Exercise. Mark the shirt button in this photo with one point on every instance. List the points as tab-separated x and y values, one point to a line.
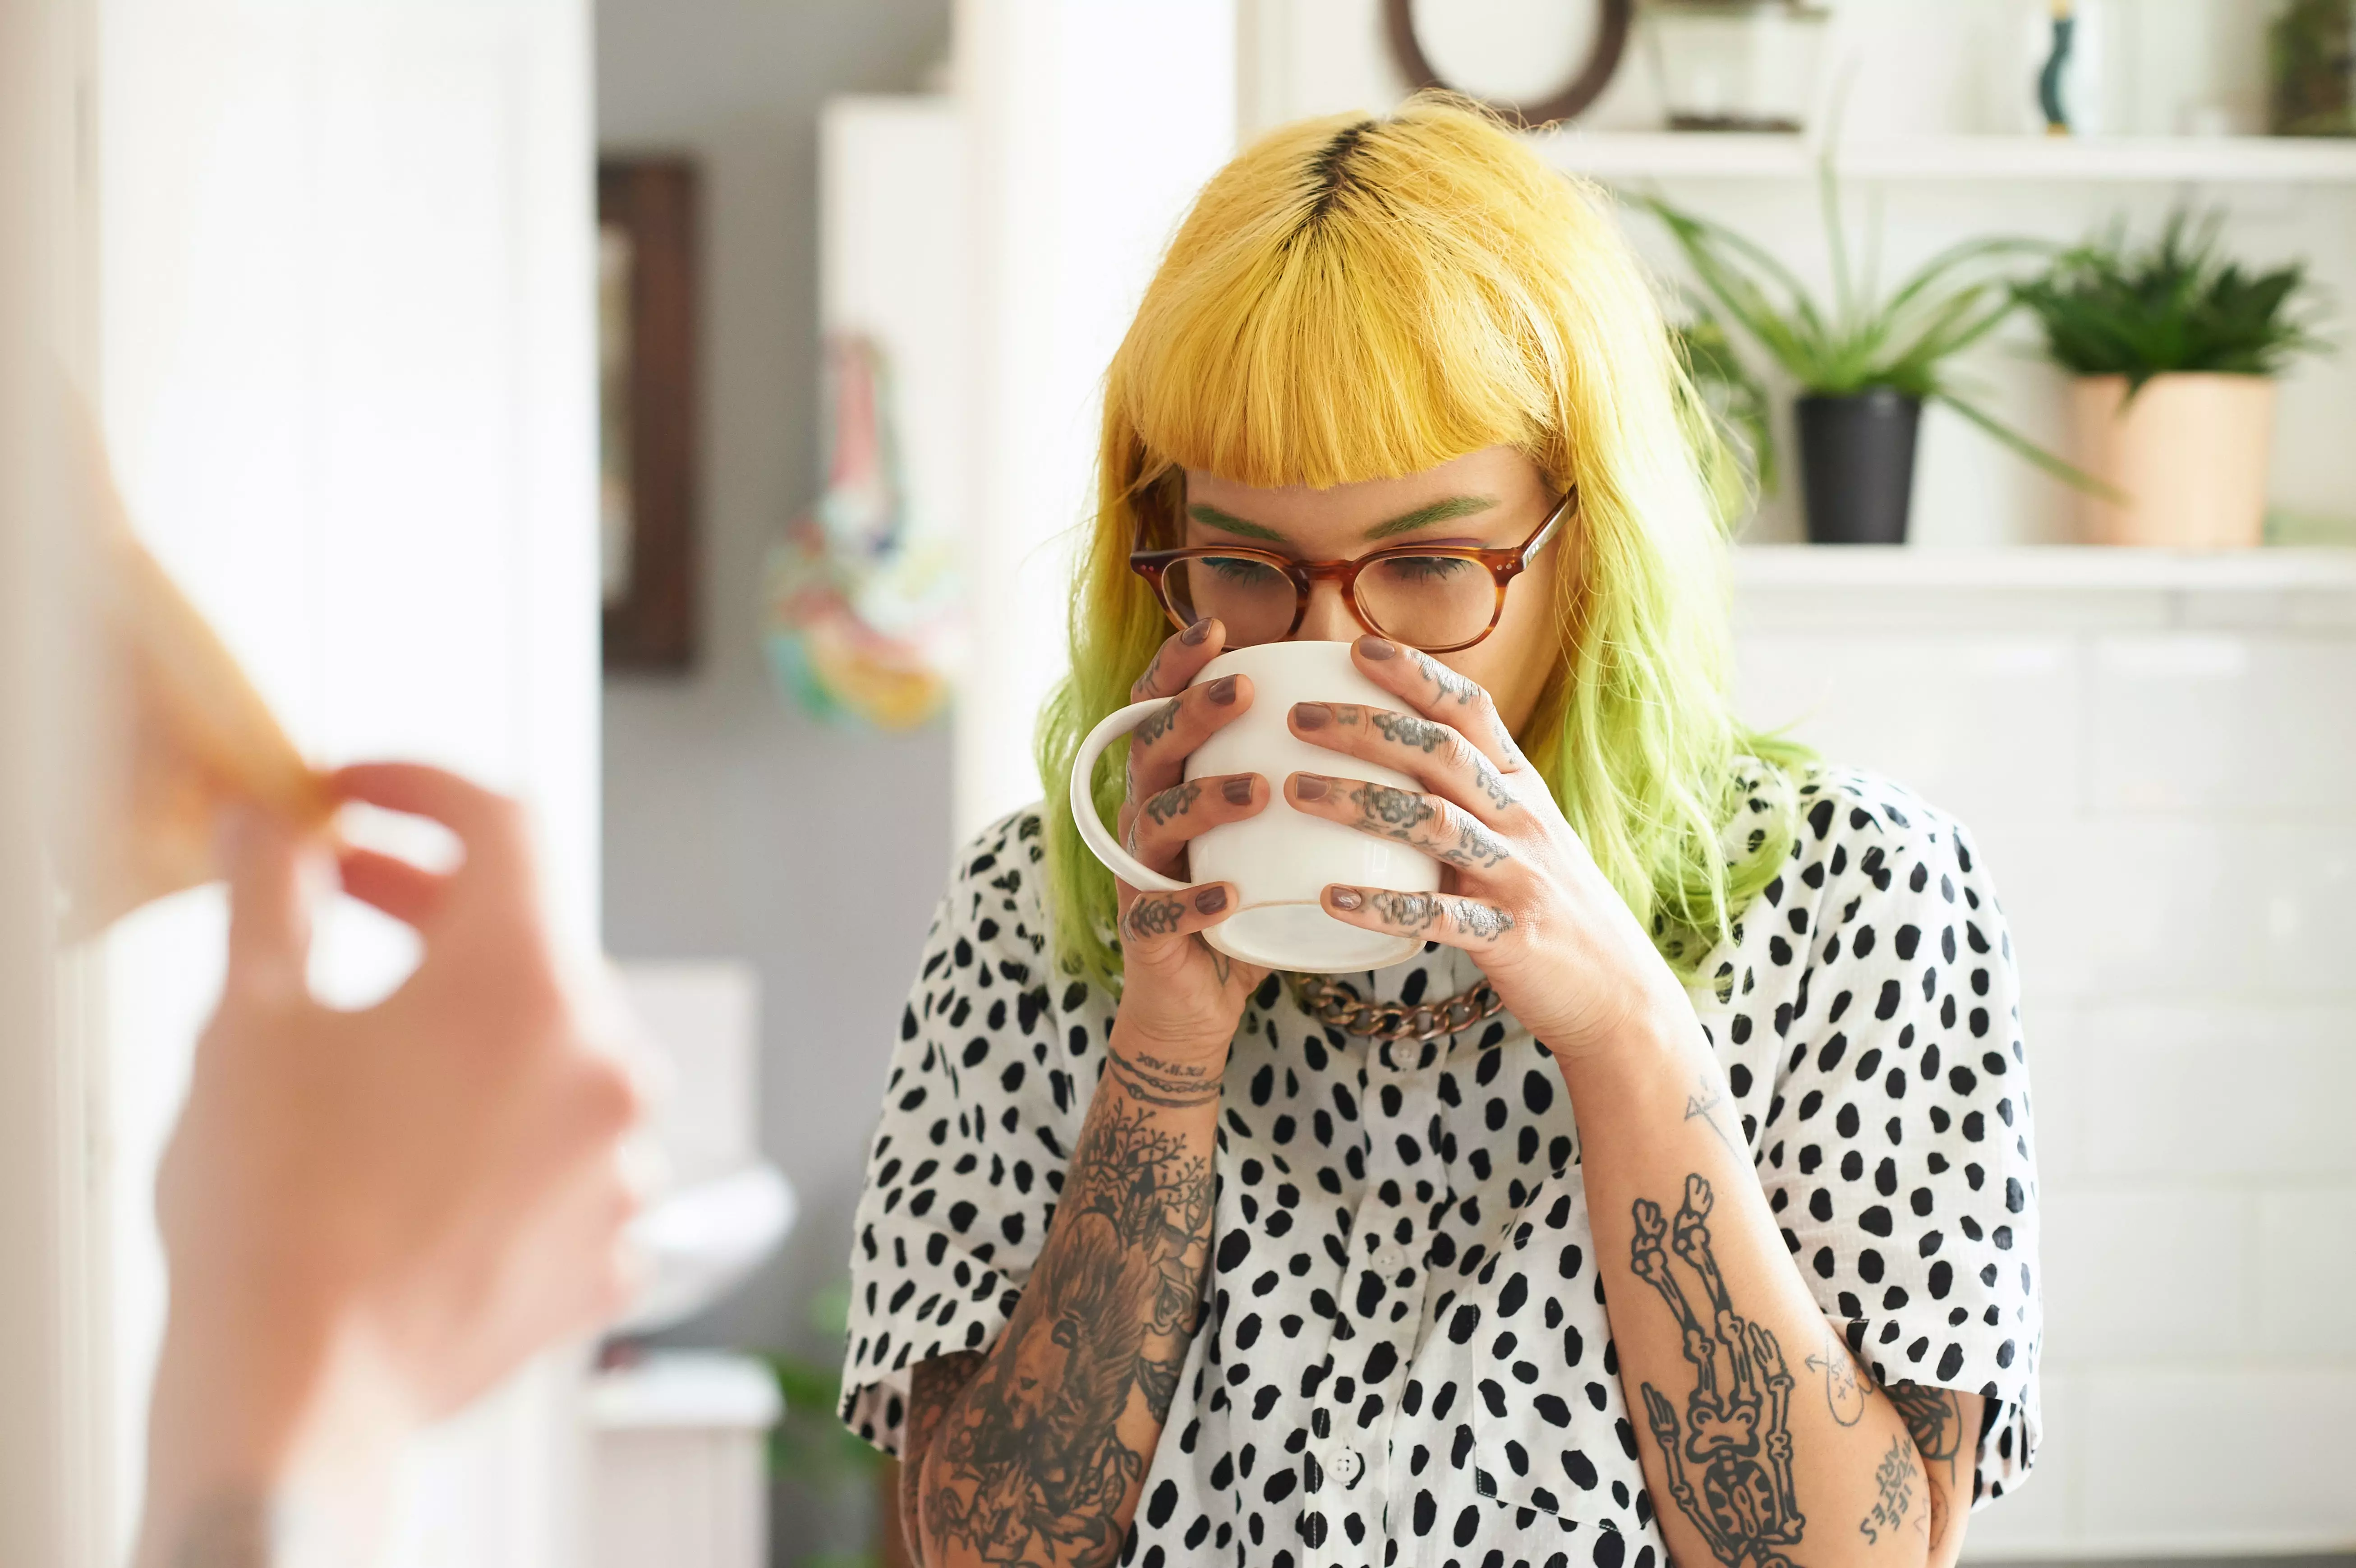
1347	1467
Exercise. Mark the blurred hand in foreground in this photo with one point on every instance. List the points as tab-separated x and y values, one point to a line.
372	1216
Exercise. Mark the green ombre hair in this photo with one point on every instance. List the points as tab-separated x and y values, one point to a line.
1356	299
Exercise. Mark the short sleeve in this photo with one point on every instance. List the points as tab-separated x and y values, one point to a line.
1898	1141
980	1108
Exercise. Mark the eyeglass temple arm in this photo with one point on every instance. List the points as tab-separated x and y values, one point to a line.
1538	540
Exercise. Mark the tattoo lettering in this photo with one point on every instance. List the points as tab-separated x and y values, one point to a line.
1220	964
1031	1467
1159	1082
1844	1383
1156	725
1153	915
1492	783
1933	1416
1895	1477
1175	801
1393	813
1704	1103
1404	730
1730	1461
1149	683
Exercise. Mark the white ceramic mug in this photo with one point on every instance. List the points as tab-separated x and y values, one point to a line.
1280	860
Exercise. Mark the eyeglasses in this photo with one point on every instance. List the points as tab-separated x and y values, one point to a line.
1439	598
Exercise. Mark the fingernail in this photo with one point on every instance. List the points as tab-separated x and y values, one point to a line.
1193	635
1312	715
1373	647
1210	900
1222	691
1344	898
1308	787
1237	791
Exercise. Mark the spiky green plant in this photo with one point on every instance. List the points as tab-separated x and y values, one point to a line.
2174	305
1861	339
1736	398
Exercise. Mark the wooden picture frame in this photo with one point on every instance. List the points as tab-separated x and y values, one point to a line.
647	436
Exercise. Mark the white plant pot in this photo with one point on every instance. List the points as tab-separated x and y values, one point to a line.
2189	450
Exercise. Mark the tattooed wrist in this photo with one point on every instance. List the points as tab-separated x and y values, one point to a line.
1162	1080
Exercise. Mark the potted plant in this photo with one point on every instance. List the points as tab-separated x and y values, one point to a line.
1866	363
2175	349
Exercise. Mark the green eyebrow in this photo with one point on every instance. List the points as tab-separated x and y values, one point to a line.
1227	522
1438	512
1405	523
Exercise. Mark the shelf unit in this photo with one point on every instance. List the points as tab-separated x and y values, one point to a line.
2198	160
2056	568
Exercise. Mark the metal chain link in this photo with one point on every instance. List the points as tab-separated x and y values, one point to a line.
1332	1002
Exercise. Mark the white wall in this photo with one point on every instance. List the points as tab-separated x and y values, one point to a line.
2157	780
1090	128
345	370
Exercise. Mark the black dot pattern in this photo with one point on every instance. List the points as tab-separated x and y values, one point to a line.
1406	1355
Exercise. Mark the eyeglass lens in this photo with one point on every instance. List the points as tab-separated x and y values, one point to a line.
1425	601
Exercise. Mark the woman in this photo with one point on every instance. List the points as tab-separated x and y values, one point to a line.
1702	1220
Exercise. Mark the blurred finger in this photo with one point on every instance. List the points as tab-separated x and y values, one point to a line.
1155	918
1178	658
409	893
1166	823
268	906
490	825
1441	828
1444	918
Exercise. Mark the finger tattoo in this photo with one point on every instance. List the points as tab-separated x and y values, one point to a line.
1416	913
1154	915
1477	847
1393	813
1451	684
1409	731
1157	724
1174	802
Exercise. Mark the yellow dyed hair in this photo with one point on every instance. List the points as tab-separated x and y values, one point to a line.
1357	298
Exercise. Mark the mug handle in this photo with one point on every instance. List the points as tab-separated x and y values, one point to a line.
1093	832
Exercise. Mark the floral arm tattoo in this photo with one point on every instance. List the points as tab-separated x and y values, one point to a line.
1035	1453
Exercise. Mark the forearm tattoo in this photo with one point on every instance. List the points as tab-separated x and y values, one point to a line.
1704	1103
1935	1418
1030	1464
1894	1481
1846	1396
1729	1460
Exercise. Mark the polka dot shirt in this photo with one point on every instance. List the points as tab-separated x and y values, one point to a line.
1405	1355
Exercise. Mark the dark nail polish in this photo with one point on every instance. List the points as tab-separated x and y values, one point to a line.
1377	649
1312	715
1237	791
1210	900
1308	787
1344	898
1193	635
1222	691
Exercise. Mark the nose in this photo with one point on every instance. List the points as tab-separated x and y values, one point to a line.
1328	617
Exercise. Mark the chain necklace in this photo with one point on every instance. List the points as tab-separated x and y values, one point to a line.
1330	1001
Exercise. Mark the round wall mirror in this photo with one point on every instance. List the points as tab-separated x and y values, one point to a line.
1530	60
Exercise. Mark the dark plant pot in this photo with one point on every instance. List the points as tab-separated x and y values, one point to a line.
1857	465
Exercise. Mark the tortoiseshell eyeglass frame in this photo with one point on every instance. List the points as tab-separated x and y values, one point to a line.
1505	564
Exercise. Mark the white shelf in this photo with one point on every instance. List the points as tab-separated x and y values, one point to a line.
2246	160
2066	568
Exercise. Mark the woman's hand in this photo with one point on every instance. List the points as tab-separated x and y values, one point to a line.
1519	889
1179	1000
